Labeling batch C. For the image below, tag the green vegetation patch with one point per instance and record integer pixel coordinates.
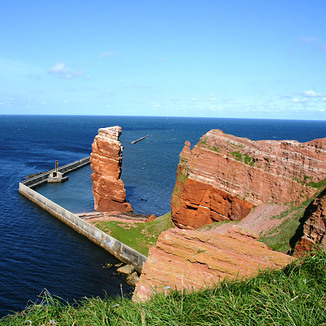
(237, 155)
(215, 149)
(307, 181)
(140, 236)
(243, 158)
(203, 141)
(182, 176)
(318, 185)
(278, 238)
(248, 160)
(295, 295)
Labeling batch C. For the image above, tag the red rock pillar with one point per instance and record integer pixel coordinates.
(106, 161)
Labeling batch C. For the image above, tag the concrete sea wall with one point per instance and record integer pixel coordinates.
(113, 246)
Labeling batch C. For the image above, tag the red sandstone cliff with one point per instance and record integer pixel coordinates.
(223, 177)
(186, 259)
(314, 225)
(106, 160)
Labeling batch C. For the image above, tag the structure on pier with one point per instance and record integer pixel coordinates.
(55, 176)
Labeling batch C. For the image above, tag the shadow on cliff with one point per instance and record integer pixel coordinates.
(308, 212)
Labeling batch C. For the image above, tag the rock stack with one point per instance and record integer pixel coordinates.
(106, 161)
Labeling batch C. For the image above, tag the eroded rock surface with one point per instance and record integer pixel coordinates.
(223, 177)
(186, 259)
(106, 161)
(314, 226)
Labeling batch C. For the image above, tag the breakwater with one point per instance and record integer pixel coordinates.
(113, 246)
(41, 178)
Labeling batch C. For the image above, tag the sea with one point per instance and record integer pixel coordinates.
(38, 253)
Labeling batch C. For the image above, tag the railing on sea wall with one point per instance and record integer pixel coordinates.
(113, 246)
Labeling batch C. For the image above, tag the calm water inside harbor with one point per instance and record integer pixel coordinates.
(39, 252)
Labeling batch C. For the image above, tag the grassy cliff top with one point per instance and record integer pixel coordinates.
(295, 295)
(139, 236)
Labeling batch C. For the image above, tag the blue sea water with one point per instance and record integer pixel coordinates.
(39, 252)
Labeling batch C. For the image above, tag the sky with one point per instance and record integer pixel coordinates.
(216, 58)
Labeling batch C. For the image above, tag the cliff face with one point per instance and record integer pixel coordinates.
(314, 226)
(106, 160)
(186, 259)
(223, 177)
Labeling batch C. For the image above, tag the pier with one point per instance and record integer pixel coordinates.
(40, 178)
(115, 247)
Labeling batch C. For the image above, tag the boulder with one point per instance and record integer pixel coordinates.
(192, 260)
(133, 279)
(151, 218)
(126, 269)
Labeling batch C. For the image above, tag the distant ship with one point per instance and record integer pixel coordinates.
(140, 139)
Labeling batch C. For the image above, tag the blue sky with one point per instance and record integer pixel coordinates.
(217, 58)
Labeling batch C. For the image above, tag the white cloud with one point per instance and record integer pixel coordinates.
(311, 94)
(298, 100)
(61, 70)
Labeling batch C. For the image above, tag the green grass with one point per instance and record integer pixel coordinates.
(237, 155)
(215, 149)
(295, 295)
(182, 176)
(278, 238)
(248, 160)
(318, 185)
(203, 141)
(243, 158)
(140, 236)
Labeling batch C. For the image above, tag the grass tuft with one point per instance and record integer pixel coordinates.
(279, 238)
(295, 295)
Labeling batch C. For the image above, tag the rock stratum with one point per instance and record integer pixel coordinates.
(187, 259)
(313, 230)
(223, 177)
(106, 161)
